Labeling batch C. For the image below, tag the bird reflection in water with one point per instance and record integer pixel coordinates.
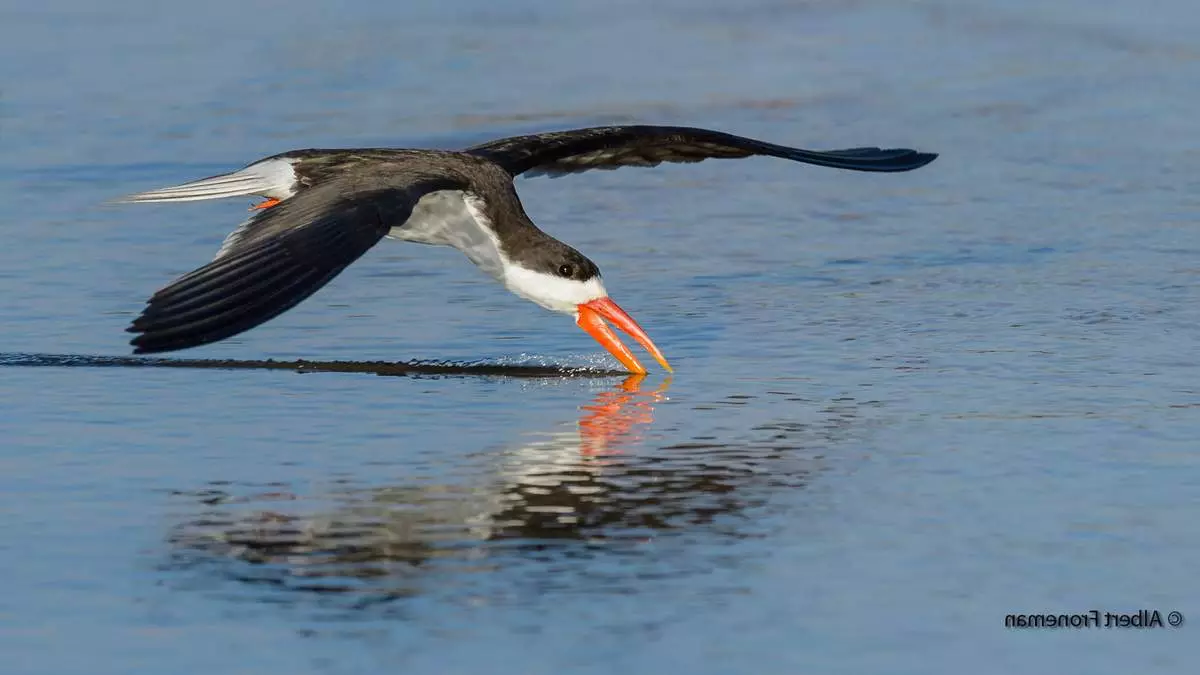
(616, 417)
(604, 486)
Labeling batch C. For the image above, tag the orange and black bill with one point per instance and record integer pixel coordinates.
(591, 318)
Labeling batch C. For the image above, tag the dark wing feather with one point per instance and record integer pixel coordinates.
(563, 152)
(289, 252)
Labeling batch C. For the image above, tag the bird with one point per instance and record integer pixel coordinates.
(325, 208)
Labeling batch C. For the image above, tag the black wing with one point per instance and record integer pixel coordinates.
(562, 152)
(289, 252)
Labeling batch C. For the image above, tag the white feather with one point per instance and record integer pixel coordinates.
(273, 178)
(234, 238)
(455, 218)
(459, 219)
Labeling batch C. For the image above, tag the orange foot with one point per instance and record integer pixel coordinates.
(265, 205)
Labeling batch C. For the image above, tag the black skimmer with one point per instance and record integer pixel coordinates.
(325, 208)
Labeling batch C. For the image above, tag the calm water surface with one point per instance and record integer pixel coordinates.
(906, 405)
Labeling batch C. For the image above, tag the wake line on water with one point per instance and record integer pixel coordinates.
(387, 368)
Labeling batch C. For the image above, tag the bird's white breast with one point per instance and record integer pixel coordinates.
(455, 218)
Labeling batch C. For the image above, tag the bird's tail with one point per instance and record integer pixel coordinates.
(268, 178)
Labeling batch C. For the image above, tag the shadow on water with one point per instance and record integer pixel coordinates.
(601, 504)
(388, 368)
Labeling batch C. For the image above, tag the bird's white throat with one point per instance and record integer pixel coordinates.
(550, 291)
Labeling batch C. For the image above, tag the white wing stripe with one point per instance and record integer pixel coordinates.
(234, 237)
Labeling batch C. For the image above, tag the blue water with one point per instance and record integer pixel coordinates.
(905, 405)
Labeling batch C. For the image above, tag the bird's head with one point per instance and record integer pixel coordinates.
(562, 279)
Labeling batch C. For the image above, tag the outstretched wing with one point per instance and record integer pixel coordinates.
(284, 255)
(562, 152)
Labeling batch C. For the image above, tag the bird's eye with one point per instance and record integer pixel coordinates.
(566, 270)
